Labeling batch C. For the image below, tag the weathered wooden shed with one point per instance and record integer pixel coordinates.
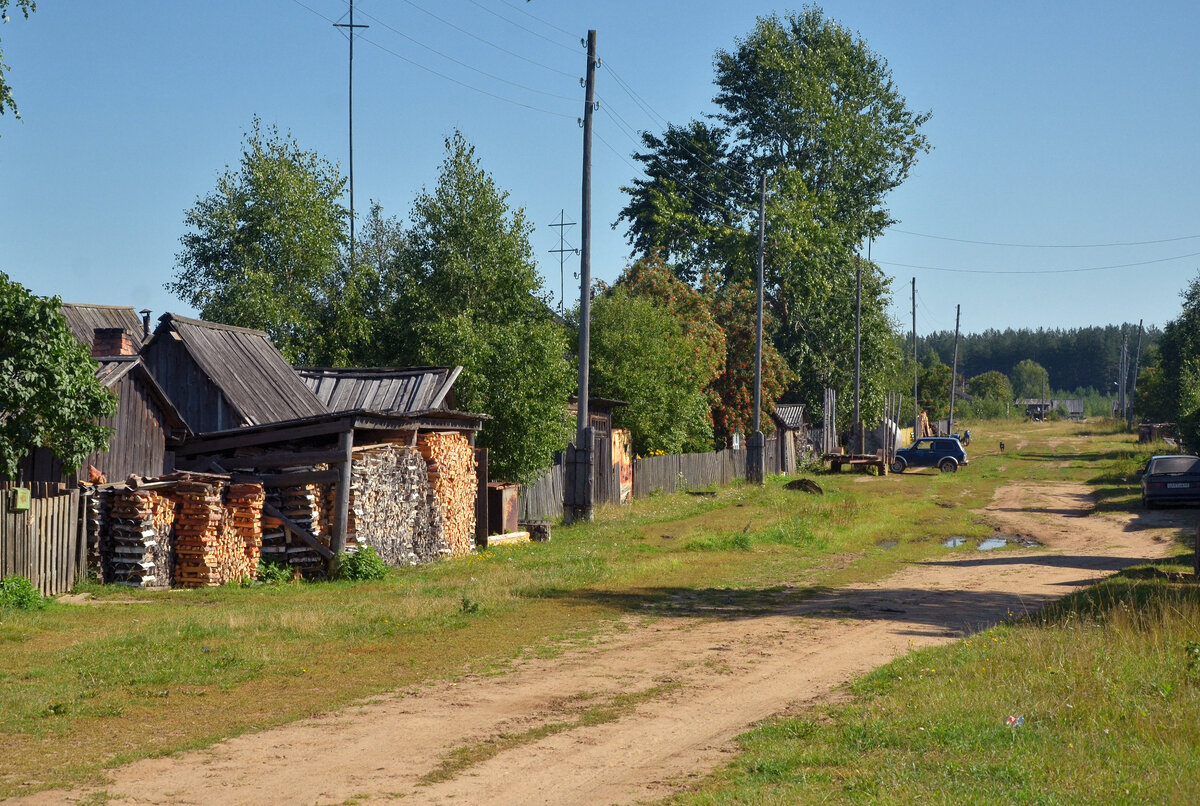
(791, 426)
(146, 427)
(613, 467)
(222, 377)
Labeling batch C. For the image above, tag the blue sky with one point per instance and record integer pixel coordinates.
(1055, 125)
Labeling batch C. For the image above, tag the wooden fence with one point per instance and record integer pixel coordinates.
(543, 500)
(44, 543)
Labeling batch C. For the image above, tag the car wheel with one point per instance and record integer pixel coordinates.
(948, 466)
(898, 465)
(1147, 504)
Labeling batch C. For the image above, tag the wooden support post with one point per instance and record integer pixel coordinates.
(482, 527)
(299, 531)
(341, 511)
(755, 459)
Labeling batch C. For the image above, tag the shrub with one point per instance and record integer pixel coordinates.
(362, 565)
(18, 593)
(271, 572)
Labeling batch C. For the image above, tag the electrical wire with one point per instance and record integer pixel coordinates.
(1047, 245)
(536, 17)
(522, 27)
(461, 63)
(441, 75)
(477, 38)
(1038, 271)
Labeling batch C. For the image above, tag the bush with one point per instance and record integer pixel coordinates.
(271, 572)
(362, 565)
(18, 593)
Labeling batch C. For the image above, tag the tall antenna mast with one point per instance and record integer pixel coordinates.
(562, 251)
(350, 26)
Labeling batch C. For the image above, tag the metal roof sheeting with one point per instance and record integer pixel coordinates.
(253, 376)
(392, 390)
(790, 414)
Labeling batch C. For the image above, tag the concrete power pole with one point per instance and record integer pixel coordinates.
(584, 465)
(350, 26)
(954, 366)
(1137, 360)
(756, 470)
(916, 366)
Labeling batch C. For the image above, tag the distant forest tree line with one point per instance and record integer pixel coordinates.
(1076, 360)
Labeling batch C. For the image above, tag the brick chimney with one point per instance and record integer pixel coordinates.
(112, 341)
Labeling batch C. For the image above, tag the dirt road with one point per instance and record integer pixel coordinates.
(634, 715)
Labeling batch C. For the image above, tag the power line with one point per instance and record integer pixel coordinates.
(478, 38)
(1046, 245)
(461, 63)
(1038, 271)
(441, 75)
(522, 27)
(539, 19)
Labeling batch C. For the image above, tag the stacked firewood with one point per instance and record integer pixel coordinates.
(392, 508)
(451, 463)
(97, 507)
(308, 506)
(138, 548)
(216, 544)
(243, 511)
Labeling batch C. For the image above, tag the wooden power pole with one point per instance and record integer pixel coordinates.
(954, 365)
(584, 465)
(350, 26)
(756, 471)
(916, 366)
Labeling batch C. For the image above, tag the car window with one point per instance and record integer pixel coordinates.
(924, 445)
(1175, 464)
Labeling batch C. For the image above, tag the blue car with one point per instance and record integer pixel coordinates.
(1171, 480)
(944, 453)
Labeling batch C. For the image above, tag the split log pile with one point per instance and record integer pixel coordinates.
(216, 544)
(392, 506)
(451, 461)
(97, 507)
(139, 539)
(309, 506)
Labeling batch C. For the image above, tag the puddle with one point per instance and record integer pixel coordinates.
(887, 544)
(992, 543)
(953, 542)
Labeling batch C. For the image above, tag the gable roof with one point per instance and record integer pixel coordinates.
(255, 379)
(791, 415)
(381, 389)
(112, 368)
(85, 318)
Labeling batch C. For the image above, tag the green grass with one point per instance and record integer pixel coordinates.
(144, 674)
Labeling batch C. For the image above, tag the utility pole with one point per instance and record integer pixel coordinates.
(756, 471)
(350, 26)
(857, 439)
(1137, 360)
(916, 366)
(954, 366)
(561, 251)
(1121, 401)
(584, 466)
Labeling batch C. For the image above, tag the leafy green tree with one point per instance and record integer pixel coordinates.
(991, 386)
(467, 292)
(1179, 358)
(933, 386)
(643, 353)
(805, 102)
(734, 308)
(265, 250)
(49, 394)
(1030, 379)
(1152, 400)
(26, 7)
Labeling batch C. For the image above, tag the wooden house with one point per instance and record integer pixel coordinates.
(222, 377)
(146, 428)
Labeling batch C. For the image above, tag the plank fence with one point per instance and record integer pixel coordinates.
(652, 475)
(45, 543)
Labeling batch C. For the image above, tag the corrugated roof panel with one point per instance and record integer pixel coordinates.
(792, 414)
(388, 390)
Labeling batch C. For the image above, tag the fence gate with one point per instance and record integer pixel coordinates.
(44, 543)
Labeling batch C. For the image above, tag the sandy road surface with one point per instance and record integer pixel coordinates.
(705, 671)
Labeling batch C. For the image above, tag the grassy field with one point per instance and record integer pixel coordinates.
(137, 674)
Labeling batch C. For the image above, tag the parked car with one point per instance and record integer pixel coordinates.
(944, 453)
(1171, 480)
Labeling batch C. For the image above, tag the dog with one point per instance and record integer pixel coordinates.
(1001, 447)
